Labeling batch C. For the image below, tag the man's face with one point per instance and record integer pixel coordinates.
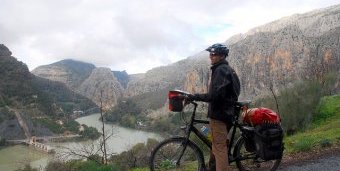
(214, 58)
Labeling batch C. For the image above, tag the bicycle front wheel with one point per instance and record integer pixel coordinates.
(178, 155)
(247, 159)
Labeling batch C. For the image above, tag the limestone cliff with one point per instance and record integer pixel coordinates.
(70, 72)
(168, 77)
(85, 79)
(303, 46)
(25, 97)
(101, 82)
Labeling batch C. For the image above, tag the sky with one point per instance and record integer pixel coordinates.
(134, 35)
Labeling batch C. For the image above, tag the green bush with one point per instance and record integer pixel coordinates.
(328, 107)
(77, 165)
(90, 132)
(136, 157)
(303, 145)
(89, 166)
(27, 167)
(297, 104)
(326, 143)
(48, 123)
(71, 125)
(125, 113)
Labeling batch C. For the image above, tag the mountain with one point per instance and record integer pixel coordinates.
(302, 46)
(85, 79)
(102, 84)
(23, 96)
(271, 56)
(70, 72)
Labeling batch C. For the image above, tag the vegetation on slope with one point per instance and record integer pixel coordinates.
(323, 132)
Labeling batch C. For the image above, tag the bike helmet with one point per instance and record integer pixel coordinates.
(218, 49)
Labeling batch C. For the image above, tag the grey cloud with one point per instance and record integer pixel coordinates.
(116, 33)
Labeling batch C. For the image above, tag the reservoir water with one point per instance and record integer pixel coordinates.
(122, 139)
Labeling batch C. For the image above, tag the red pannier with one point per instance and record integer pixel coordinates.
(176, 100)
(259, 116)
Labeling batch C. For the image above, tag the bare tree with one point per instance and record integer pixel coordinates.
(103, 146)
(95, 148)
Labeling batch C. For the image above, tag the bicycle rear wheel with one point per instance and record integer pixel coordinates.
(173, 154)
(247, 159)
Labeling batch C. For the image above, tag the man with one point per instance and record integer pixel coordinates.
(223, 92)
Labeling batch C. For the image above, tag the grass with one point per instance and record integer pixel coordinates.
(324, 132)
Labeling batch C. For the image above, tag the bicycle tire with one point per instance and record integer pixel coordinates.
(166, 154)
(253, 162)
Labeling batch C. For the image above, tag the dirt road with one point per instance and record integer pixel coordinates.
(330, 163)
(327, 159)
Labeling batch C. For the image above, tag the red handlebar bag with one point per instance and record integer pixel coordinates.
(175, 101)
(258, 116)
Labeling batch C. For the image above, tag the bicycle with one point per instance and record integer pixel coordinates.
(181, 153)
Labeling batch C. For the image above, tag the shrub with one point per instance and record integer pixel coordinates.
(27, 167)
(328, 107)
(138, 156)
(89, 166)
(297, 104)
(326, 143)
(303, 144)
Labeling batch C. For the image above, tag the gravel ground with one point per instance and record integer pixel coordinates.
(325, 159)
(330, 163)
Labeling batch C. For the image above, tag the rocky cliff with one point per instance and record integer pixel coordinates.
(102, 86)
(173, 76)
(85, 79)
(31, 98)
(275, 55)
(70, 72)
(301, 46)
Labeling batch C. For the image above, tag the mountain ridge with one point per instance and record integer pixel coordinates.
(271, 56)
(32, 98)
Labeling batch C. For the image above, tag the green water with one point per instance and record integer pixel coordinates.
(14, 157)
(17, 156)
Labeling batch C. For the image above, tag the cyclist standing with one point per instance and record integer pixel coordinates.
(224, 90)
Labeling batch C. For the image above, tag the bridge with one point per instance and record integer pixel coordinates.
(36, 141)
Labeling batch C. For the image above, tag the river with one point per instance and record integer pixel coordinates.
(122, 139)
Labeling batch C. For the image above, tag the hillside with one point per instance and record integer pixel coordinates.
(71, 73)
(33, 97)
(86, 79)
(271, 56)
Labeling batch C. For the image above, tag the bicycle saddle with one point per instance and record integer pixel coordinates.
(243, 103)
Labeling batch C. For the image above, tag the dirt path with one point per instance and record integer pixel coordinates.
(22, 123)
(325, 159)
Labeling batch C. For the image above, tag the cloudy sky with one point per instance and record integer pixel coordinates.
(134, 35)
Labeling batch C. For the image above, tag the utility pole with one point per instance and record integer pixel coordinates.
(104, 159)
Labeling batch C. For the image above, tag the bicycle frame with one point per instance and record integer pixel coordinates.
(192, 128)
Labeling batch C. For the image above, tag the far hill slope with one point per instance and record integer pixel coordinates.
(70, 72)
(33, 97)
(302, 46)
(85, 79)
(102, 86)
(272, 56)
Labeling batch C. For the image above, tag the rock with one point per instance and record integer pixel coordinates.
(102, 79)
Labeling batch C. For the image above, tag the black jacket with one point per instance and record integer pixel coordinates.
(221, 95)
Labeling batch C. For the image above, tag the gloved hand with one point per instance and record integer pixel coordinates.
(191, 97)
